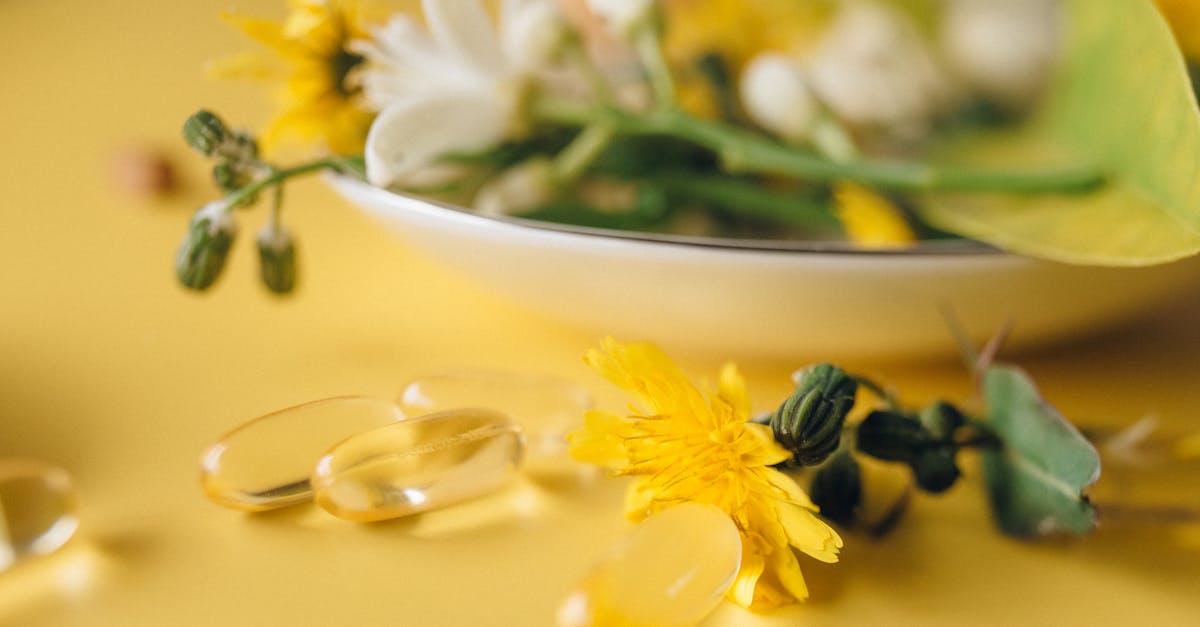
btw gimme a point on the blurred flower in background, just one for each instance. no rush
(320, 98)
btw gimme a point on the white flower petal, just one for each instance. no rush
(410, 136)
(777, 97)
(532, 32)
(464, 29)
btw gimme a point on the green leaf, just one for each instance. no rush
(1123, 102)
(1036, 478)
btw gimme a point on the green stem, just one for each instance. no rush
(744, 151)
(650, 53)
(343, 165)
(574, 160)
(750, 199)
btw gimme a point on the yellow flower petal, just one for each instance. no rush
(748, 575)
(869, 219)
(732, 387)
(320, 101)
(809, 534)
(600, 440)
(246, 65)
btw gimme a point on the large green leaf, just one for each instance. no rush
(1123, 102)
(1036, 478)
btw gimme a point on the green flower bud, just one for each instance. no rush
(941, 419)
(226, 177)
(277, 259)
(809, 422)
(895, 437)
(837, 488)
(891, 436)
(242, 148)
(209, 238)
(934, 468)
(205, 132)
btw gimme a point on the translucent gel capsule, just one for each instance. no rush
(420, 464)
(671, 570)
(265, 463)
(546, 407)
(37, 510)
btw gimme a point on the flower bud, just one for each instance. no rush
(934, 468)
(777, 97)
(941, 419)
(277, 258)
(226, 177)
(809, 422)
(241, 148)
(205, 132)
(895, 437)
(837, 488)
(891, 436)
(209, 238)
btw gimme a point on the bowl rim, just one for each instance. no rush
(434, 207)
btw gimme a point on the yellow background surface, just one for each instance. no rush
(110, 369)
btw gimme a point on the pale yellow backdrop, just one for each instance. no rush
(110, 369)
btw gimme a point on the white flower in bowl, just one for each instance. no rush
(453, 88)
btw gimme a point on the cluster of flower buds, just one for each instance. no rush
(925, 442)
(810, 423)
(240, 175)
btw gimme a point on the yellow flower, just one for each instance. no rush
(320, 100)
(1184, 16)
(699, 27)
(869, 219)
(683, 448)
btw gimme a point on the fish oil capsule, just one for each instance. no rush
(265, 463)
(546, 407)
(37, 510)
(420, 464)
(670, 571)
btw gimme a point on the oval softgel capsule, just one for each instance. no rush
(420, 464)
(266, 463)
(671, 570)
(37, 510)
(547, 407)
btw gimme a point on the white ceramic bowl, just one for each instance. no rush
(739, 298)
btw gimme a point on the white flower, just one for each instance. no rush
(873, 69)
(776, 96)
(1005, 50)
(453, 89)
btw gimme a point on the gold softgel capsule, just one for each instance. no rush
(419, 464)
(670, 571)
(265, 463)
(546, 407)
(37, 510)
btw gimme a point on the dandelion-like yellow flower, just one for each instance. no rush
(321, 101)
(683, 448)
(869, 219)
(699, 27)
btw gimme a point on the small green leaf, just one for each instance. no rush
(1122, 102)
(1036, 478)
